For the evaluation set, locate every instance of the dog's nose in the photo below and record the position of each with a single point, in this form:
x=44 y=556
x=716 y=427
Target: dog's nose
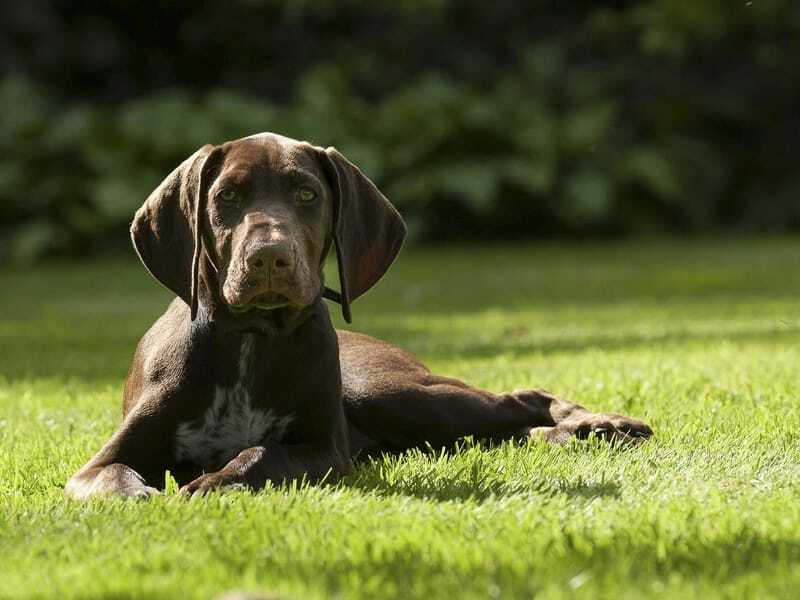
x=270 y=258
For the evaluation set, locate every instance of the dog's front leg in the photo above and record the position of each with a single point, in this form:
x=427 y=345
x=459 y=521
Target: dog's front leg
x=253 y=467
x=115 y=468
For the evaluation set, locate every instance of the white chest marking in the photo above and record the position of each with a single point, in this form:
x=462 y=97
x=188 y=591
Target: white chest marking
x=231 y=423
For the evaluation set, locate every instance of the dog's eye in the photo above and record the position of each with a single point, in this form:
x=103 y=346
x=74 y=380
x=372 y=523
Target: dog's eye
x=306 y=195
x=228 y=195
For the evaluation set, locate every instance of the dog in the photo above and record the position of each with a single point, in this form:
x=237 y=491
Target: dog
x=244 y=380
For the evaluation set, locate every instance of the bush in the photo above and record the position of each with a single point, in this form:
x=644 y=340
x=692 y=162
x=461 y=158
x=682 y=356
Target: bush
x=665 y=115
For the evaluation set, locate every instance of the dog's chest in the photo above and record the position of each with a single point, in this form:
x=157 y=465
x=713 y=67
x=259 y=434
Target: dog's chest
x=231 y=423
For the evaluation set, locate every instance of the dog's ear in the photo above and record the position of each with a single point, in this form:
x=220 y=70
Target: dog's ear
x=367 y=230
x=166 y=232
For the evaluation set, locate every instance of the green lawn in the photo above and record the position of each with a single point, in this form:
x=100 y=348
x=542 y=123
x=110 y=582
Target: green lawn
x=701 y=340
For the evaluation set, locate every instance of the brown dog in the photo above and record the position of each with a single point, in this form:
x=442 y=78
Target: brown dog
x=244 y=380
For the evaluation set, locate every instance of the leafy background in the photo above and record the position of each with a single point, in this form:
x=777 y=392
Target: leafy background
x=501 y=119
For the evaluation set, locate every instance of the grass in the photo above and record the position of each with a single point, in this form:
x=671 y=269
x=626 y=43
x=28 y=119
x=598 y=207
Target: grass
x=699 y=339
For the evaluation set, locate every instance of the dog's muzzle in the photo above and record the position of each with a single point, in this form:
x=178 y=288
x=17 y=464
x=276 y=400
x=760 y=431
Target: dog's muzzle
x=265 y=279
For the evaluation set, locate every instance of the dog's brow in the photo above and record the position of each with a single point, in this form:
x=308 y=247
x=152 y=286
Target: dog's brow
x=235 y=176
x=298 y=173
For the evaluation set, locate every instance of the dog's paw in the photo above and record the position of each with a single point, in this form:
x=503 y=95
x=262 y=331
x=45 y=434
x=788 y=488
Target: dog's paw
x=605 y=426
x=112 y=480
x=207 y=482
x=143 y=492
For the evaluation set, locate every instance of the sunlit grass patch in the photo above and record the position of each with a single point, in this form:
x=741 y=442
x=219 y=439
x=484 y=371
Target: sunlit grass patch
x=701 y=341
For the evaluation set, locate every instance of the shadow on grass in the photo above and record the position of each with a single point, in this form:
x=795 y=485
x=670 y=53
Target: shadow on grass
x=446 y=488
x=86 y=359
x=605 y=342
x=441 y=477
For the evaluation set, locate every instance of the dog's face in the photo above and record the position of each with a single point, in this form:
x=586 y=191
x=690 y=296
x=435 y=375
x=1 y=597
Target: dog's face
x=244 y=228
x=269 y=223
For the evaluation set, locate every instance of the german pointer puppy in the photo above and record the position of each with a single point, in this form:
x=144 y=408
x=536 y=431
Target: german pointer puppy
x=244 y=380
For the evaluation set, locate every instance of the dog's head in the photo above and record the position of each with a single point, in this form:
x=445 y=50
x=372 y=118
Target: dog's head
x=244 y=228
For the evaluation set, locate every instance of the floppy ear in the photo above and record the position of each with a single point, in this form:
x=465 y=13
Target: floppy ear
x=165 y=232
x=367 y=232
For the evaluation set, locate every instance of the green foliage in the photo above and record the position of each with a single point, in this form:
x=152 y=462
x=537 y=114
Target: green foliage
x=658 y=115
x=701 y=340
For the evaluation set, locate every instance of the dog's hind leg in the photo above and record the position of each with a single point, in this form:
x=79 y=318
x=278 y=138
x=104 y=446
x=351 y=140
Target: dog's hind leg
x=439 y=410
x=393 y=400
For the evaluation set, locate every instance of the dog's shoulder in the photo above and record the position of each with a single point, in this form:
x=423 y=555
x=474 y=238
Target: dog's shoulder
x=168 y=355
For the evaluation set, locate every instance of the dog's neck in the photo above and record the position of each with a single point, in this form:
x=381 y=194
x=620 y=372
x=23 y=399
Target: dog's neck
x=310 y=346
x=274 y=326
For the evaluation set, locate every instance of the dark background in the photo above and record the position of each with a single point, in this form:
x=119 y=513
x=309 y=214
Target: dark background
x=480 y=120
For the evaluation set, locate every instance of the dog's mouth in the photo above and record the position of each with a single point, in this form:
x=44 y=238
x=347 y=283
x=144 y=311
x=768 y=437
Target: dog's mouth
x=263 y=302
x=269 y=313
